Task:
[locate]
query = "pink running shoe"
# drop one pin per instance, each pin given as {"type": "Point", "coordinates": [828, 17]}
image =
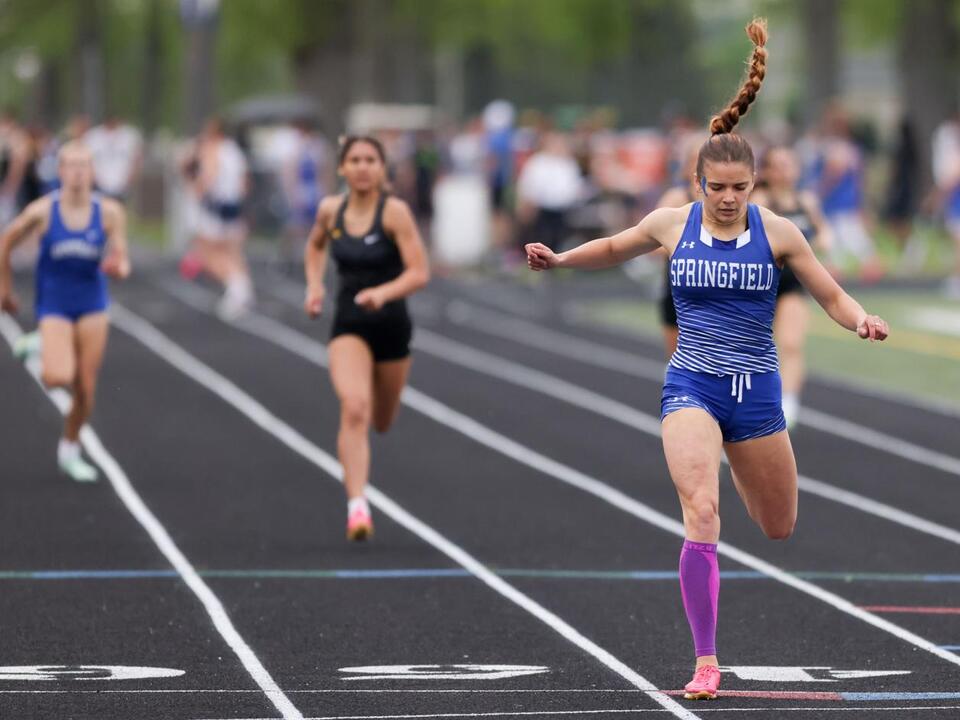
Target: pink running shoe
{"type": "Point", "coordinates": [359, 526]}
{"type": "Point", "coordinates": [190, 265]}
{"type": "Point", "coordinates": [706, 681]}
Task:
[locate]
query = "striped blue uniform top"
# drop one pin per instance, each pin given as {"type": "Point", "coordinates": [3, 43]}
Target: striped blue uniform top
{"type": "Point", "coordinates": [69, 280]}
{"type": "Point", "coordinates": [726, 294]}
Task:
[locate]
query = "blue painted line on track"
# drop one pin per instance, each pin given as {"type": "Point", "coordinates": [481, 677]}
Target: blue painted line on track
{"type": "Point", "coordinates": [872, 696]}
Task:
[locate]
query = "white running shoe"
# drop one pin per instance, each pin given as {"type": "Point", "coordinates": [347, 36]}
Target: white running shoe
{"type": "Point", "coordinates": [26, 346]}
{"type": "Point", "coordinates": [78, 470]}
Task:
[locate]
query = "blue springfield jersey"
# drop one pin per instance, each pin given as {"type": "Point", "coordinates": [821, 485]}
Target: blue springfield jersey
{"type": "Point", "coordinates": [68, 269]}
{"type": "Point", "coordinates": [726, 294]}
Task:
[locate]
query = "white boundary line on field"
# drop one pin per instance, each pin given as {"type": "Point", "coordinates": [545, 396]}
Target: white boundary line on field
{"type": "Point", "coordinates": [204, 375]}
{"type": "Point", "coordinates": [314, 352]}
{"type": "Point", "coordinates": [161, 538]}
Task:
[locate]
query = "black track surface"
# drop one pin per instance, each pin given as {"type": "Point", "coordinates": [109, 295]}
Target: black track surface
{"type": "Point", "coordinates": [264, 526]}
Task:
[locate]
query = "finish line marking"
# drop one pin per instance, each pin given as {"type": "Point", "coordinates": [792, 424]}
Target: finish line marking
{"type": "Point", "coordinates": [830, 696]}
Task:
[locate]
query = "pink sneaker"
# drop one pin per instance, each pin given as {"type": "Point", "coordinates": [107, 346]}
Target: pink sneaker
{"type": "Point", "coordinates": [706, 681]}
{"type": "Point", "coordinates": [190, 265]}
{"type": "Point", "coordinates": [359, 526]}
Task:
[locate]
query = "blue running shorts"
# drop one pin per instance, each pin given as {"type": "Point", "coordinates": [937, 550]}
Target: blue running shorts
{"type": "Point", "coordinates": [745, 406]}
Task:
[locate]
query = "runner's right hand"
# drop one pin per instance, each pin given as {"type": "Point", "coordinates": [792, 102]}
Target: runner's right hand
{"type": "Point", "coordinates": [9, 303]}
{"type": "Point", "coordinates": [313, 304]}
{"type": "Point", "coordinates": [540, 257]}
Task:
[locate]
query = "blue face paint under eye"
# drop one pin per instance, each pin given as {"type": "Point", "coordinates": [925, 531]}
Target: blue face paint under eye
{"type": "Point", "coordinates": [703, 185]}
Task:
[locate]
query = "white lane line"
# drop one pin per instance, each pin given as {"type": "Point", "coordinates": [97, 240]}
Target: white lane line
{"type": "Point", "coordinates": [315, 352]}
{"type": "Point", "coordinates": [131, 499]}
{"type": "Point", "coordinates": [569, 346]}
{"type": "Point", "coordinates": [534, 380]}
{"type": "Point", "coordinates": [206, 376]}
{"type": "Point", "coordinates": [548, 713]}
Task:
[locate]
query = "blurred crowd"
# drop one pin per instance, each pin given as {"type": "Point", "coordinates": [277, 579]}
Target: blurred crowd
{"type": "Point", "coordinates": [482, 189]}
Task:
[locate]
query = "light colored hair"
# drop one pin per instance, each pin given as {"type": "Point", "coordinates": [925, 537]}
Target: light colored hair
{"type": "Point", "coordinates": [73, 147]}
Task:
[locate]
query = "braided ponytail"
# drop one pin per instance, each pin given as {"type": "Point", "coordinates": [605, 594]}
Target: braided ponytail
{"type": "Point", "coordinates": [723, 145]}
{"type": "Point", "coordinates": [737, 108]}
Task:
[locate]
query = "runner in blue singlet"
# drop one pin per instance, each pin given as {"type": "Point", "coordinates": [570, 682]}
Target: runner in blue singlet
{"type": "Point", "coordinates": [722, 387]}
{"type": "Point", "coordinates": [82, 239]}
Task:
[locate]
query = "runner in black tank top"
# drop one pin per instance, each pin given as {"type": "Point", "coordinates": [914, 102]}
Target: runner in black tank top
{"type": "Point", "coordinates": [380, 260]}
{"type": "Point", "coordinates": [779, 173]}
{"type": "Point", "coordinates": [367, 261]}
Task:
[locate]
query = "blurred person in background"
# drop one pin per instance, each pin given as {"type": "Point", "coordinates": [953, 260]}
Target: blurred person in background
{"type": "Point", "coordinates": [946, 173]}
{"type": "Point", "coordinates": [380, 261]}
{"type": "Point", "coordinates": [117, 150]}
{"type": "Point", "coordinates": [216, 172]}
{"type": "Point", "coordinates": [839, 179]}
{"type": "Point", "coordinates": [83, 239]}
{"type": "Point", "coordinates": [42, 167]}
{"type": "Point", "coordinates": [305, 177]}
{"type": "Point", "coordinates": [14, 151]}
{"type": "Point", "coordinates": [721, 392]}
{"type": "Point", "coordinates": [426, 165]}
{"type": "Point", "coordinates": [498, 119]}
{"type": "Point", "coordinates": [549, 187]}
{"type": "Point", "coordinates": [685, 191]}
{"type": "Point", "coordinates": [778, 191]}
{"type": "Point", "coordinates": [902, 202]}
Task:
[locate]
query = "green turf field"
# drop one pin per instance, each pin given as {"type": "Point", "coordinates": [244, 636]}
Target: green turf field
{"type": "Point", "coordinates": [922, 354]}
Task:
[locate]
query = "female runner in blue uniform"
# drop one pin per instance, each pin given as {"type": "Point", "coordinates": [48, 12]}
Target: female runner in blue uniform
{"type": "Point", "coordinates": [380, 260]}
{"type": "Point", "coordinates": [722, 389]}
{"type": "Point", "coordinates": [779, 175]}
{"type": "Point", "coordinates": [83, 239]}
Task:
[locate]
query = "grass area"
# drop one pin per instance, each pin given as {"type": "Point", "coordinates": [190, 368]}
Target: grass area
{"type": "Point", "coordinates": [922, 354]}
{"type": "Point", "coordinates": [151, 232]}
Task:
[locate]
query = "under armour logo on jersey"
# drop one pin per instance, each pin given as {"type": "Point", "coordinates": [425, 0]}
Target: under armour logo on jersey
{"type": "Point", "coordinates": [684, 245]}
{"type": "Point", "coordinates": [371, 239]}
{"type": "Point", "coordinates": [91, 235]}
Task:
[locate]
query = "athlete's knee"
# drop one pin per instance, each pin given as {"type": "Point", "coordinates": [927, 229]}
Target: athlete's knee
{"type": "Point", "coordinates": [701, 514]}
{"type": "Point", "coordinates": [382, 425]}
{"type": "Point", "coordinates": [779, 528]}
{"type": "Point", "coordinates": [56, 377]}
{"type": "Point", "coordinates": [355, 411]}
{"type": "Point", "coordinates": [384, 420]}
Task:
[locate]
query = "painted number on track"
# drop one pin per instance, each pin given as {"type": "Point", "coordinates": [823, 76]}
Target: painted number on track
{"type": "Point", "coordinates": [808, 674]}
{"type": "Point", "coordinates": [84, 672]}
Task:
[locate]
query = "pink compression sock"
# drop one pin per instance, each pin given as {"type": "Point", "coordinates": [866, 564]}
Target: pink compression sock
{"type": "Point", "coordinates": [700, 587]}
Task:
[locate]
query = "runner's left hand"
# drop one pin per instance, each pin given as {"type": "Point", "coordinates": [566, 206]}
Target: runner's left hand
{"type": "Point", "coordinates": [873, 327]}
{"type": "Point", "coordinates": [116, 267]}
{"type": "Point", "coordinates": [370, 299]}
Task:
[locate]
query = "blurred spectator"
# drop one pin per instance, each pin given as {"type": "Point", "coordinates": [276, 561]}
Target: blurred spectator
{"type": "Point", "coordinates": [426, 161]}
{"type": "Point", "coordinates": [13, 164]}
{"type": "Point", "coordinates": [498, 118]}
{"type": "Point", "coordinates": [901, 201]}
{"type": "Point", "coordinates": [41, 175]}
{"type": "Point", "coordinates": [549, 187]}
{"type": "Point", "coordinates": [468, 150]}
{"type": "Point", "coordinates": [946, 173]}
{"type": "Point", "coordinates": [117, 156]}
{"type": "Point", "coordinates": [216, 172]}
{"type": "Point", "coordinates": [306, 177]}
{"type": "Point", "coordinates": [839, 180]}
